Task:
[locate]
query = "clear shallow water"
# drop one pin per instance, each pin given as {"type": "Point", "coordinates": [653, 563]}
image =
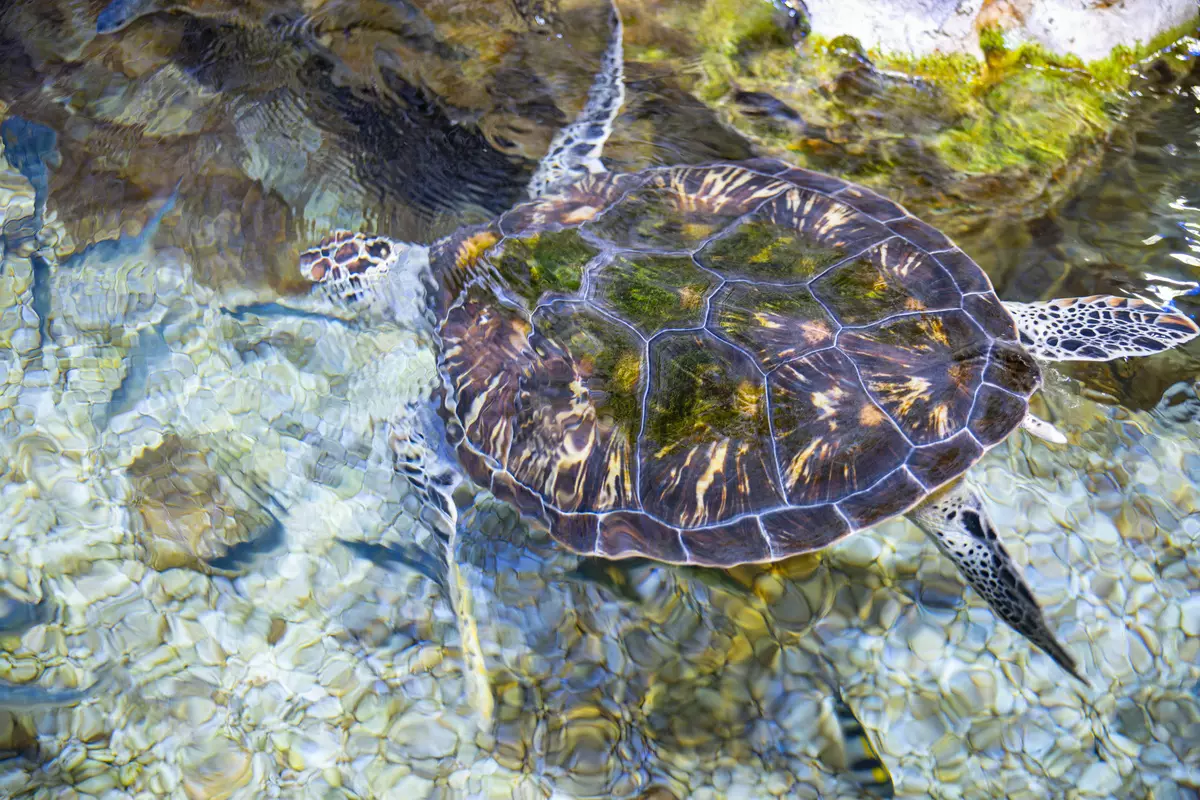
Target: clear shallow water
{"type": "Point", "coordinates": [201, 488]}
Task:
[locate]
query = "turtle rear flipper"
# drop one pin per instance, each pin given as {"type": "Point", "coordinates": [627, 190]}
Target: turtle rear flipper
{"type": "Point", "coordinates": [1099, 328]}
{"type": "Point", "coordinates": [575, 150]}
{"type": "Point", "coordinates": [957, 521]}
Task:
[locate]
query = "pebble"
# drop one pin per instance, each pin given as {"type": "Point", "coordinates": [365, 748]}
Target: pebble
{"type": "Point", "coordinates": [1099, 780]}
{"type": "Point", "coordinates": [1189, 616]}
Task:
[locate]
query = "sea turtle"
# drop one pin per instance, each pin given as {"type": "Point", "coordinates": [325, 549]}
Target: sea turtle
{"type": "Point", "coordinates": [723, 364]}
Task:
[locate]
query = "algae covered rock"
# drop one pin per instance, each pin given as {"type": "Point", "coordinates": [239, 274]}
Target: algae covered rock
{"type": "Point", "coordinates": [958, 138]}
{"type": "Point", "coordinates": [1090, 30]}
{"type": "Point", "coordinates": [190, 513]}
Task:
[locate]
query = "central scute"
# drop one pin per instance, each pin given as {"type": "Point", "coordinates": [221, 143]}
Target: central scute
{"type": "Point", "coordinates": [719, 365]}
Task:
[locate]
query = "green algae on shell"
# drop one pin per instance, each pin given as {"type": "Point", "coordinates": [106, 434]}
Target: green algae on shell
{"type": "Point", "coordinates": [550, 262]}
{"type": "Point", "coordinates": [656, 292]}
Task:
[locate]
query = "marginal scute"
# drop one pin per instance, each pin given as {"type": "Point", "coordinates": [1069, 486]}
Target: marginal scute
{"type": "Point", "coordinates": [832, 439]}
{"type": "Point", "coordinates": [935, 464]}
{"type": "Point", "coordinates": [628, 534]}
{"type": "Point", "coordinates": [967, 274]}
{"type": "Point", "coordinates": [995, 415]}
{"type": "Point", "coordinates": [656, 292]}
{"type": "Point", "coordinates": [893, 494]}
{"type": "Point", "coordinates": [773, 323]}
{"type": "Point", "coordinates": [893, 278]}
{"type": "Point", "coordinates": [739, 542]}
{"type": "Point", "coordinates": [870, 203]}
{"type": "Point", "coordinates": [802, 530]}
{"type": "Point", "coordinates": [505, 487]}
{"type": "Point", "coordinates": [707, 453]}
{"type": "Point", "coordinates": [989, 313]}
{"type": "Point", "coordinates": [924, 236]}
{"type": "Point", "coordinates": [817, 181]}
{"type": "Point", "coordinates": [922, 369]}
{"type": "Point", "coordinates": [1014, 369]}
{"type": "Point", "coordinates": [578, 532]}
{"type": "Point", "coordinates": [767, 166]}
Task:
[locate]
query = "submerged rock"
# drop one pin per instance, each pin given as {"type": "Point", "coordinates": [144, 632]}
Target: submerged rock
{"type": "Point", "coordinates": [190, 514]}
{"type": "Point", "coordinates": [1090, 30]}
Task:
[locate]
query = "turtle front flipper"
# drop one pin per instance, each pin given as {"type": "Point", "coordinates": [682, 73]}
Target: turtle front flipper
{"type": "Point", "coordinates": [1099, 328]}
{"type": "Point", "coordinates": [419, 458]}
{"type": "Point", "coordinates": [575, 150]}
{"type": "Point", "coordinates": [957, 522]}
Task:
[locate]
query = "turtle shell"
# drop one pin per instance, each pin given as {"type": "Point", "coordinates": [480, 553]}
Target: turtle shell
{"type": "Point", "coordinates": [720, 364]}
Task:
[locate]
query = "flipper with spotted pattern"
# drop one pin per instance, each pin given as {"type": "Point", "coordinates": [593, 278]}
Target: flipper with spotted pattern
{"type": "Point", "coordinates": [575, 150]}
{"type": "Point", "coordinates": [418, 456]}
{"type": "Point", "coordinates": [958, 523]}
{"type": "Point", "coordinates": [1099, 328]}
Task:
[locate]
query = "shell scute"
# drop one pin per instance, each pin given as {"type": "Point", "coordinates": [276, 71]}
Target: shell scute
{"type": "Point", "coordinates": [773, 323]}
{"type": "Point", "coordinates": [578, 411]}
{"type": "Point", "coordinates": [739, 542]}
{"type": "Point", "coordinates": [832, 439]}
{"type": "Point", "coordinates": [485, 351]}
{"type": "Point", "coordinates": [1010, 367]}
{"type": "Point", "coordinates": [707, 453]}
{"type": "Point", "coordinates": [792, 531]}
{"type": "Point", "coordinates": [816, 181]}
{"type": "Point", "coordinates": [967, 274]}
{"type": "Point", "coordinates": [653, 292]}
{"type": "Point", "coordinates": [922, 369]}
{"type": "Point", "coordinates": [894, 493]}
{"type": "Point", "coordinates": [506, 488]}
{"type": "Point", "coordinates": [995, 414]}
{"type": "Point", "coordinates": [924, 236]}
{"type": "Point", "coordinates": [989, 313]}
{"type": "Point", "coordinates": [574, 205]}
{"type": "Point", "coordinates": [627, 534]}
{"type": "Point", "coordinates": [546, 263]}
{"type": "Point", "coordinates": [937, 463]}
{"type": "Point", "coordinates": [579, 532]}
{"type": "Point", "coordinates": [892, 278]}
{"type": "Point", "coordinates": [677, 210]}
{"type": "Point", "coordinates": [870, 203]}
{"type": "Point", "coordinates": [792, 238]}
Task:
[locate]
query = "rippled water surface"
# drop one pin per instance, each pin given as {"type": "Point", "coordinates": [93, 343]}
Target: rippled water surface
{"type": "Point", "coordinates": [213, 584]}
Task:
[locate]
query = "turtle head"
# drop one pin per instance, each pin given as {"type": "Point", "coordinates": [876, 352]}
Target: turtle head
{"type": "Point", "coordinates": [369, 273]}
